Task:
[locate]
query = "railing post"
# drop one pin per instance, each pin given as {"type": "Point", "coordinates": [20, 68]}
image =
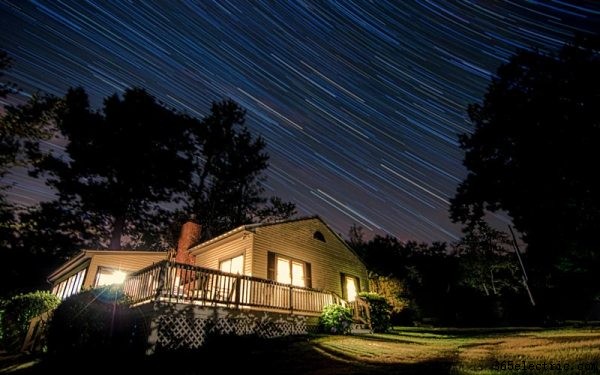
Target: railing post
{"type": "Point", "coordinates": [291, 299]}
{"type": "Point", "coordinates": [238, 282]}
{"type": "Point", "coordinates": [162, 277]}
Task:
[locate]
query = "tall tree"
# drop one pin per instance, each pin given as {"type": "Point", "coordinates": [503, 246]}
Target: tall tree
{"type": "Point", "coordinates": [120, 164]}
{"type": "Point", "coordinates": [229, 189]}
{"type": "Point", "coordinates": [486, 260]}
{"type": "Point", "coordinates": [6, 214]}
{"type": "Point", "coordinates": [22, 127]}
{"type": "Point", "coordinates": [535, 139]}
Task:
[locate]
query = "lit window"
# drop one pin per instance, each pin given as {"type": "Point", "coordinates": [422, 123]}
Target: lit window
{"type": "Point", "coordinates": [298, 274]}
{"type": "Point", "coordinates": [70, 286]}
{"type": "Point", "coordinates": [109, 276]}
{"type": "Point", "coordinates": [233, 265]}
{"type": "Point", "coordinates": [283, 271]}
{"type": "Point", "coordinates": [351, 288]}
{"type": "Point", "coordinates": [290, 272]}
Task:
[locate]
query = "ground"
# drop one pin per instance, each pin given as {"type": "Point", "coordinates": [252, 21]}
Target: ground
{"type": "Point", "coordinates": [571, 351]}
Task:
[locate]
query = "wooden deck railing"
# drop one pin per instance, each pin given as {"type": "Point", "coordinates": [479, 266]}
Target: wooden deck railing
{"type": "Point", "coordinates": [36, 333]}
{"type": "Point", "coordinates": [177, 282]}
{"type": "Point", "coordinates": [361, 313]}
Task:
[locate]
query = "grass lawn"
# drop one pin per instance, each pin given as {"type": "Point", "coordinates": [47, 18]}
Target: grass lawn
{"type": "Point", "coordinates": [403, 351]}
{"type": "Point", "coordinates": [477, 352]}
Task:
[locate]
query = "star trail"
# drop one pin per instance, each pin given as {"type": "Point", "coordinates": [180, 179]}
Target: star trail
{"type": "Point", "coordinates": [361, 103]}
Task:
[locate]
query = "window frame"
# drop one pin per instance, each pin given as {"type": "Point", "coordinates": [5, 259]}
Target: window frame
{"type": "Point", "coordinates": [272, 269]}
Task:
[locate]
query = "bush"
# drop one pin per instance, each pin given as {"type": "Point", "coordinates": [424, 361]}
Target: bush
{"type": "Point", "coordinates": [380, 311]}
{"type": "Point", "coordinates": [16, 313]}
{"type": "Point", "coordinates": [335, 319]}
{"type": "Point", "coordinates": [90, 322]}
{"type": "Point", "coordinates": [392, 288]}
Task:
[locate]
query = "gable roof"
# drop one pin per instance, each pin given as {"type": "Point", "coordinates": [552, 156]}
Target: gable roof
{"type": "Point", "coordinates": [252, 227]}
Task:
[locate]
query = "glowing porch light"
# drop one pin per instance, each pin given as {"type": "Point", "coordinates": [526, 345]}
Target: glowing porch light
{"type": "Point", "coordinates": [114, 277]}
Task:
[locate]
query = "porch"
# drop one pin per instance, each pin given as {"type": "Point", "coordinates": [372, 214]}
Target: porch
{"type": "Point", "coordinates": [183, 304]}
{"type": "Point", "coordinates": [179, 283]}
{"type": "Point", "coordinates": [177, 306]}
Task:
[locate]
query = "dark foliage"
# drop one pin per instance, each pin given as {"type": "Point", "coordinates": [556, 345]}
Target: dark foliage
{"type": "Point", "coordinates": [17, 311]}
{"type": "Point", "coordinates": [120, 163]}
{"type": "Point", "coordinates": [275, 210]}
{"type": "Point", "coordinates": [380, 311]}
{"type": "Point", "coordinates": [129, 176]}
{"type": "Point", "coordinates": [229, 189]}
{"type": "Point", "coordinates": [94, 322]}
{"type": "Point", "coordinates": [535, 138]}
{"type": "Point", "coordinates": [487, 261]}
{"type": "Point", "coordinates": [444, 285]}
{"type": "Point", "coordinates": [21, 130]}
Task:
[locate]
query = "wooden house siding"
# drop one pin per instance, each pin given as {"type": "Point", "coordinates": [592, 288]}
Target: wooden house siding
{"type": "Point", "coordinates": [210, 255]}
{"type": "Point", "coordinates": [295, 239]}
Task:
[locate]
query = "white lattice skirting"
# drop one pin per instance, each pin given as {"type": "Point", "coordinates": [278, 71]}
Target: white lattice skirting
{"type": "Point", "coordinates": [177, 330]}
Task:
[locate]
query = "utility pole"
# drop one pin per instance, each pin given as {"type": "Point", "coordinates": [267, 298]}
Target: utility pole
{"type": "Point", "coordinates": [524, 278]}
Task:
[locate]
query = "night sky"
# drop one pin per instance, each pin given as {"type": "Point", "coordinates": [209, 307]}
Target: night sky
{"type": "Point", "coordinates": [360, 102]}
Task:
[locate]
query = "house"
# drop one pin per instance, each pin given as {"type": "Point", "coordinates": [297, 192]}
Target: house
{"type": "Point", "coordinates": [302, 252]}
{"type": "Point", "coordinates": [270, 279]}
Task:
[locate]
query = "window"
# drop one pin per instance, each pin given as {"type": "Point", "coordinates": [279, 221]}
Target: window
{"type": "Point", "coordinates": [287, 270]}
{"type": "Point", "coordinates": [319, 236]}
{"type": "Point", "coordinates": [69, 286]}
{"type": "Point", "coordinates": [233, 265]}
{"type": "Point", "coordinates": [290, 272]}
{"type": "Point", "coordinates": [350, 287]}
{"type": "Point", "coordinates": [283, 271]}
{"type": "Point", "coordinates": [109, 276]}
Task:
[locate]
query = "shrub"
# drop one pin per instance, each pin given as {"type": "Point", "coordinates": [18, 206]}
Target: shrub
{"type": "Point", "coordinates": [18, 311]}
{"type": "Point", "coordinates": [392, 288]}
{"type": "Point", "coordinates": [90, 322]}
{"type": "Point", "coordinates": [380, 311]}
{"type": "Point", "coordinates": [335, 319]}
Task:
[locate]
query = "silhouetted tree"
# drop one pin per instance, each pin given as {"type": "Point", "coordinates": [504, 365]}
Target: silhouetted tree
{"type": "Point", "coordinates": [21, 129]}
{"type": "Point", "coordinates": [120, 164]}
{"type": "Point", "coordinates": [229, 190]}
{"type": "Point", "coordinates": [536, 136]}
{"type": "Point", "coordinates": [276, 209]}
{"type": "Point", "coordinates": [486, 260]}
{"type": "Point", "coordinates": [356, 237]}
{"type": "Point", "coordinates": [133, 172]}
{"type": "Point", "coordinates": [384, 255]}
{"type": "Point", "coordinates": [45, 236]}
{"type": "Point", "coordinates": [6, 213]}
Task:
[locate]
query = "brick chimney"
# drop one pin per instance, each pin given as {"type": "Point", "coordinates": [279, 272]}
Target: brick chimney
{"type": "Point", "coordinates": [189, 236]}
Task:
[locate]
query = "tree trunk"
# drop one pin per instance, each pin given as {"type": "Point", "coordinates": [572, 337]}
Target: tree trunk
{"type": "Point", "coordinates": [117, 231]}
